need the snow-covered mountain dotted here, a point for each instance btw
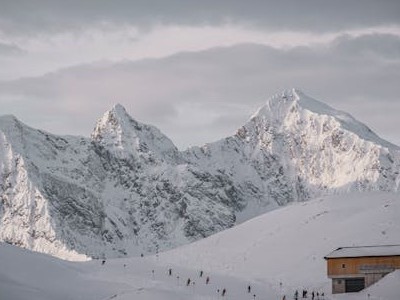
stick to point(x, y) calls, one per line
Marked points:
point(128, 190)
point(125, 190)
point(295, 147)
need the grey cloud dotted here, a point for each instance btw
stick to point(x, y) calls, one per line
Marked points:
point(9, 49)
point(382, 45)
point(202, 96)
point(312, 15)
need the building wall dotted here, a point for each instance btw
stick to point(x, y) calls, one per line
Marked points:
point(372, 278)
point(371, 269)
point(338, 285)
point(360, 265)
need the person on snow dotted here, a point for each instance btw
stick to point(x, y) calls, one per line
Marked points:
point(223, 292)
point(169, 271)
point(296, 295)
point(304, 293)
point(201, 273)
point(188, 282)
point(249, 289)
point(207, 280)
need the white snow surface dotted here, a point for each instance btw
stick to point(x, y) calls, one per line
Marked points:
point(383, 250)
point(284, 246)
point(127, 189)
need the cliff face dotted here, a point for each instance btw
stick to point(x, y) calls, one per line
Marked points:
point(128, 190)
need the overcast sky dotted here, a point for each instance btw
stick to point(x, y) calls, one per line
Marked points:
point(196, 69)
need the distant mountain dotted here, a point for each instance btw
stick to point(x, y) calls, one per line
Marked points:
point(295, 147)
point(128, 190)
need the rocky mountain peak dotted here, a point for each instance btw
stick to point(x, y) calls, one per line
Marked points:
point(115, 119)
point(9, 123)
point(293, 101)
point(127, 138)
point(292, 110)
point(7, 119)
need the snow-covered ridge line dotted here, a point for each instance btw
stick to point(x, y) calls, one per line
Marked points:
point(127, 189)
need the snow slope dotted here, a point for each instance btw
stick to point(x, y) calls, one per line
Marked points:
point(127, 189)
point(288, 244)
point(117, 279)
point(283, 246)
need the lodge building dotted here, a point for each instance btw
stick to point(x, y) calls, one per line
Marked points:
point(355, 268)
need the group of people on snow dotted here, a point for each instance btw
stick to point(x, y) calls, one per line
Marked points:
point(314, 295)
point(189, 282)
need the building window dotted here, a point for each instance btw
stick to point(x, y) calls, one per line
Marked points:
point(339, 281)
point(343, 266)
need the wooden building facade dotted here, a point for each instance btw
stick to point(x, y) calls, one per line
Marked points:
point(355, 268)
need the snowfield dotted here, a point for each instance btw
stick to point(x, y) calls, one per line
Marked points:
point(276, 253)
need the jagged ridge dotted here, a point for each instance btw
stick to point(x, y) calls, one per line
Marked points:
point(128, 189)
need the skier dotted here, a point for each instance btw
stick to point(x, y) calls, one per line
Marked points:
point(188, 282)
point(201, 273)
point(312, 295)
point(169, 271)
point(223, 292)
point(284, 297)
point(304, 293)
point(296, 295)
point(103, 262)
point(207, 280)
point(249, 289)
